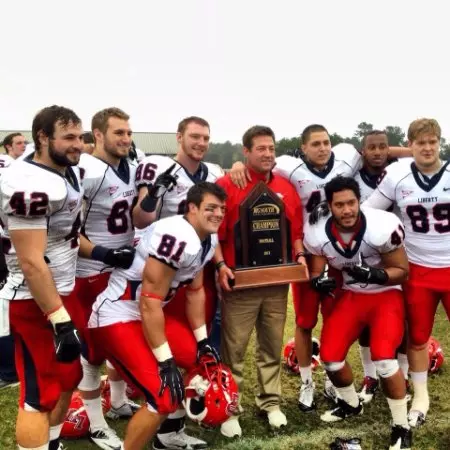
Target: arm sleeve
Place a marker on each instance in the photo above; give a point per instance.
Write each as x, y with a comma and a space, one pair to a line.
286, 166
27, 223
165, 245
393, 234
297, 214
310, 242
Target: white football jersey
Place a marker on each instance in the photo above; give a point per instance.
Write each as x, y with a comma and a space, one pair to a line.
5, 162
42, 198
174, 202
309, 182
424, 203
174, 242
109, 194
380, 232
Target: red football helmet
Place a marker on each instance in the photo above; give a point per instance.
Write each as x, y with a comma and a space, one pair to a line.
290, 357
211, 393
435, 355
76, 423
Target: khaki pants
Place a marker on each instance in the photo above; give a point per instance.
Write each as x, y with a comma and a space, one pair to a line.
265, 309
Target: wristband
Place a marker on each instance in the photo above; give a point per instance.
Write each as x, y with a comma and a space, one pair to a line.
220, 264
162, 353
152, 296
299, 254
201, 333
148, 204
59, 316
99, 253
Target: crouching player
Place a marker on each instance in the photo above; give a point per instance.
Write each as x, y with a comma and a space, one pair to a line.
129, 324
367, 246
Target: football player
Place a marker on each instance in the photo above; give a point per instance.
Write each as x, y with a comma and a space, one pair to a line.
421, 190
144, 341
14, 145
375, 153
41, 199
366, 245
309, 174
163, 184
109, 194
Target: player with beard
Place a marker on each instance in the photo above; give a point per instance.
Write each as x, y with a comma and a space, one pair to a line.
41, 201
320, 164
129, 319
163, 184
421, 190
366, 245
109, 194
375, 153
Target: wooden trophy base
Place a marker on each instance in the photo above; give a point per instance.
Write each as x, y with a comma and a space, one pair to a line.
269, 276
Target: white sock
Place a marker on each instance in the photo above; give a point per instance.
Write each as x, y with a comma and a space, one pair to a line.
368, 365
42, 447
306, 374
55, 431
118, 393
94, 412
349, 395
399, 411
403, 363
421, 400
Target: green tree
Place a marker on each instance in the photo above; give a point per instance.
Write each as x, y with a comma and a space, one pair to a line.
396, 136
362, 129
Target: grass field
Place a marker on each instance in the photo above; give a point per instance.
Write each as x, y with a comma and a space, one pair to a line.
303, 431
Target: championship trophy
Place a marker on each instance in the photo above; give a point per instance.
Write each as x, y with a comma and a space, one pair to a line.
263, 242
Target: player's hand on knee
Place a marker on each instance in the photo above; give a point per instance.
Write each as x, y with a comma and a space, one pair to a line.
323, 283
121, 257
206, 349
367, 275
116, 257
171, 379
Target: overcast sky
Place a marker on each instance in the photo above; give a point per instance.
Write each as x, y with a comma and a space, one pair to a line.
236, 63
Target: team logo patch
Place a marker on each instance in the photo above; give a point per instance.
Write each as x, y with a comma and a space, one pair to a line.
301, 183
280, 195
113, 189
181, 188
406, 192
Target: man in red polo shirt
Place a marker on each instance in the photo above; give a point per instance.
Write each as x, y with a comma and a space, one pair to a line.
263, 308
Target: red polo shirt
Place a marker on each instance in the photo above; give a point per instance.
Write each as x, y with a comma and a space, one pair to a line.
236, 196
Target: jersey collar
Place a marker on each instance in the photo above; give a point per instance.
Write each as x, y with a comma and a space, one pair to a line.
321, 173
346, 250
69, 176
423, 181
201, 174
258, 176
369, 179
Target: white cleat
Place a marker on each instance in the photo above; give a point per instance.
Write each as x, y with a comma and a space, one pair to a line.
178, 441
416, 418
123, 412
306, 397
106, 438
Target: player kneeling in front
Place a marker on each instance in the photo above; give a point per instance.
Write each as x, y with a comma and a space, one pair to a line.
367, 246
144, 343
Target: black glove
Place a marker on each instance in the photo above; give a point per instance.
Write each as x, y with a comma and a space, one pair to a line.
323, 283
171, 377
204, 348
119, 257
67, 342
164, 182
362, 273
